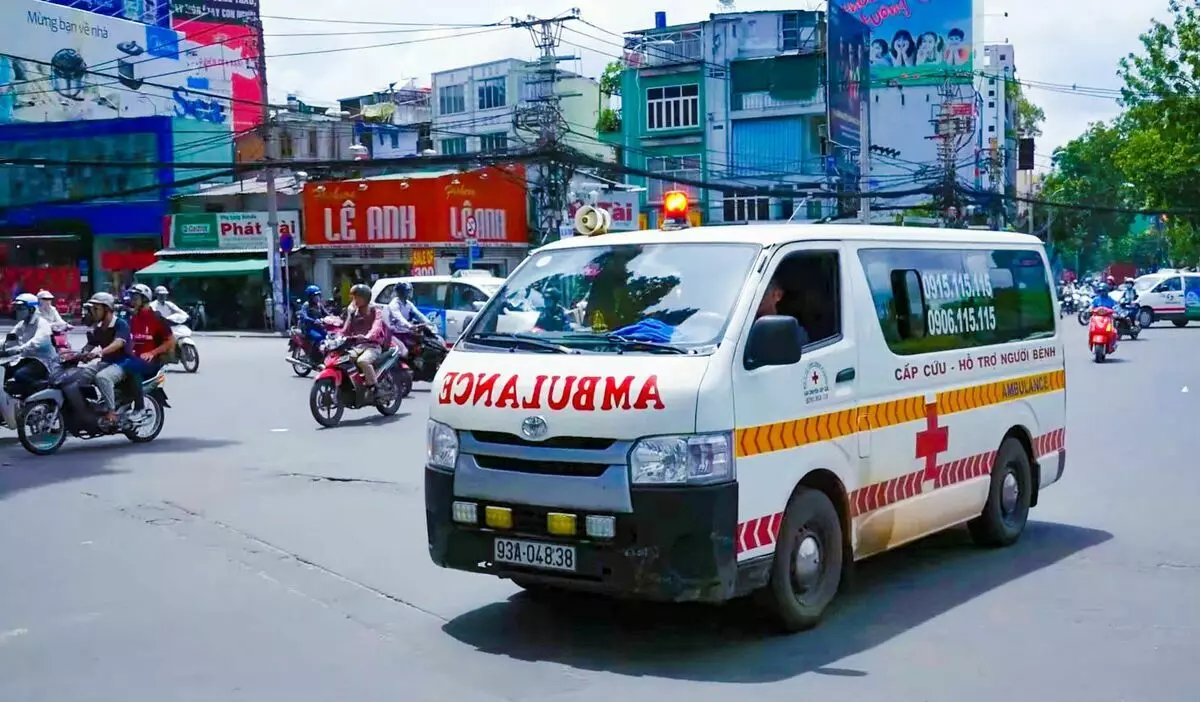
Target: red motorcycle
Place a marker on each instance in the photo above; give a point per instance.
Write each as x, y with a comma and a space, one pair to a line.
1102, 334
339, 385
303, 354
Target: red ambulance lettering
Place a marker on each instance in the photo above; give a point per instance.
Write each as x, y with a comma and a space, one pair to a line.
582, 394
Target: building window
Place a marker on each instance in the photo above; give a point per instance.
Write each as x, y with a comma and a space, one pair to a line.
492, 93
991, 93
491, 143
312, 144
286, 149
790, 31
670, 168
747, 209
451, 100
673, 107
455, 146
991, 103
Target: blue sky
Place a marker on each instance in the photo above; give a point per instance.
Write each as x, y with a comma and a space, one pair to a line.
1056, 42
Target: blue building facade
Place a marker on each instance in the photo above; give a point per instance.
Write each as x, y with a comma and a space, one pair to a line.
86, 226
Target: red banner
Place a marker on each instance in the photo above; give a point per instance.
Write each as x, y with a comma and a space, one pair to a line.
241, 62
487, 205
63, 281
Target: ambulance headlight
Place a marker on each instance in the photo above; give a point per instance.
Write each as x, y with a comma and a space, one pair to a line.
441, 445
697, 459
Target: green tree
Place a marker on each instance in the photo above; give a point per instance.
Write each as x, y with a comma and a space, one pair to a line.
1161, 154
1030, 118
610, 79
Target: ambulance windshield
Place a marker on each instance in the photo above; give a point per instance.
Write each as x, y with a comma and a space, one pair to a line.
664, 297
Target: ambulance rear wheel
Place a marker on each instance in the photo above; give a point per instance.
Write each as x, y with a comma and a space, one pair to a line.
807, 570
1007, 508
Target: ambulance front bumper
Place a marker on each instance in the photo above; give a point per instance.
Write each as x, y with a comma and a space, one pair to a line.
677, 544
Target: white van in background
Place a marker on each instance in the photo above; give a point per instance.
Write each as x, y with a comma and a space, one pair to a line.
1168, 295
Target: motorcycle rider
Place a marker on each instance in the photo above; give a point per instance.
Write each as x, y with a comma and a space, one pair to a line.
164, 306
403, 316
1102, 298
364, 322
152, 339
310, 315
48, 311
33, 337
109, 343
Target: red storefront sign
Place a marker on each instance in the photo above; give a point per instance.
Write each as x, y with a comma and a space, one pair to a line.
488, 205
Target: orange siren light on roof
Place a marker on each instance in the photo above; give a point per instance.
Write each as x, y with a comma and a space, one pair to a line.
675, 205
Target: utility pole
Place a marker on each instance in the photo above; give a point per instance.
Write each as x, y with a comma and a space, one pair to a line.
544, 118
953, 120
279, 312
864, 160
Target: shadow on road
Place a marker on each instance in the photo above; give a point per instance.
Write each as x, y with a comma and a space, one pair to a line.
80, 459
894, 592
368, 420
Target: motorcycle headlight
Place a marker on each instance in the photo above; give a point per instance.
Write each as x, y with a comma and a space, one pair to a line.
441, 445
693, 459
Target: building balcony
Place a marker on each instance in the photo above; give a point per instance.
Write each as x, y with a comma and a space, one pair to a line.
665, 49
760, 104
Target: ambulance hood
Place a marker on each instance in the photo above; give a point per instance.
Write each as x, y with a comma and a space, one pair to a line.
612, 396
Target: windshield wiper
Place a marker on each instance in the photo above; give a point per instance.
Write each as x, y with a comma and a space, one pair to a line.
625, 342
526, 339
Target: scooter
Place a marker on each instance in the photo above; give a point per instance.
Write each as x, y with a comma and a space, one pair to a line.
185, 354
1102, 334
1126, 321
10, 407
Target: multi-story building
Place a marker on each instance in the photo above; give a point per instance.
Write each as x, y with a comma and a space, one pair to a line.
998, 138
393, 123
305, 132
474, 108
736, 100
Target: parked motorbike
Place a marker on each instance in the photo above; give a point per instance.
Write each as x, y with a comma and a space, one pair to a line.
302, 354
185, 354
339, 384
47, 416
1102, 334
426, 351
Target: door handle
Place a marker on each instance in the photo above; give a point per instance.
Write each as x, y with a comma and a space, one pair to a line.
845, 375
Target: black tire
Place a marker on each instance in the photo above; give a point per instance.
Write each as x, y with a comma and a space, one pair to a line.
1098, 354
189, 358
1133, 333
392, 407
23, 433
160, 419
1004, 515
1084, 317
300, 369
1145, 317
810, 517
1181, 323
319, 388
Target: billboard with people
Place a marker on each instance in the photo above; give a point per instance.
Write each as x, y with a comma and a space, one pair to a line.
849, 90
924, 42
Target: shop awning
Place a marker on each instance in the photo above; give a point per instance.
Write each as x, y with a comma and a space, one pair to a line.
211, 267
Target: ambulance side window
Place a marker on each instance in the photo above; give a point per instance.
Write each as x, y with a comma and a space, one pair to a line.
812, 293
910, 304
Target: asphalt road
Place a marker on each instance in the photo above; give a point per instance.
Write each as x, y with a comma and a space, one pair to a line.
248, 555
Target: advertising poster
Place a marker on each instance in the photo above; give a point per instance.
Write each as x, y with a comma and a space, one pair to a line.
228, 11
61, 64
418, 212
849, 90
241, 49
230, 230
918, 42
156, 12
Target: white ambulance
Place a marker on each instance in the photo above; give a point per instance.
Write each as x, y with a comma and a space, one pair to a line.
744, 409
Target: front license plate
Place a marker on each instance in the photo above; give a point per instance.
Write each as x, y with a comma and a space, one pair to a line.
535, 554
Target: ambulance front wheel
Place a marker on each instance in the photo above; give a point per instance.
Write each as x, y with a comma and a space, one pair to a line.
1007, 507
807, 570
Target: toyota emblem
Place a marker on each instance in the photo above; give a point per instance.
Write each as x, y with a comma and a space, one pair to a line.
534, 427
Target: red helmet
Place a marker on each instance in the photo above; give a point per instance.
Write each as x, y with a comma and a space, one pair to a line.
1111, 280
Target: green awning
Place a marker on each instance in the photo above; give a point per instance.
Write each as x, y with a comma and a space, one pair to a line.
207, 267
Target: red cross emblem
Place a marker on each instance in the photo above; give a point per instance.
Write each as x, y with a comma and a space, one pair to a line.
931, 442
816, 377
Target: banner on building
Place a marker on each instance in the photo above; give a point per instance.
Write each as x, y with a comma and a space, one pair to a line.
227, 11
849, 93
487, 205
62, 64
424, 262
241, 44
918, 43
623, 206
156, 12
230, 230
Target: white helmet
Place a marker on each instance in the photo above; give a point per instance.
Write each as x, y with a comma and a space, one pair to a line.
45, 295
105, 299
162, 290
143, 290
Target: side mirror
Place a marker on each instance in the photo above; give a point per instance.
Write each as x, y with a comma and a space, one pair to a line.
478, 305
775, 340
